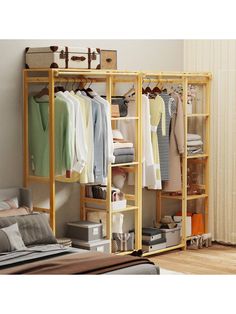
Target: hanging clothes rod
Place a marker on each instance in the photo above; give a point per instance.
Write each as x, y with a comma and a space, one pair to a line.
177, 74
94, 72
174, 81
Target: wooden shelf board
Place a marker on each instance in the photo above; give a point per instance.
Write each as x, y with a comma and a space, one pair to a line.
179, 197
125, 164
197, 196
198, 115
123, 253
39, 179
94, 209
128, 208
94, 200
174, 197
124, 118
179, 246
197, 156
75, 178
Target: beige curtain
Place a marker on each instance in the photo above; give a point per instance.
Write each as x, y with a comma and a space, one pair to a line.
219, 57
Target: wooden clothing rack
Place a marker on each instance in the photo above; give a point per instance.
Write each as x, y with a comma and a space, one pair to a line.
111, 78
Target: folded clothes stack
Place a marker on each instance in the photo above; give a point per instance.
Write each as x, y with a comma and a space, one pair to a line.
123, 150
194, 144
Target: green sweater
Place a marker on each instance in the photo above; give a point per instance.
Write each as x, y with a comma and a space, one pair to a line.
39, 137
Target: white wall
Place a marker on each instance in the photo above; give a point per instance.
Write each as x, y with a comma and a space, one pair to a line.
147, 55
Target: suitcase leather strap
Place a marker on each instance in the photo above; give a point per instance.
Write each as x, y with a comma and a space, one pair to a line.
89, 58
75, 58
67, 57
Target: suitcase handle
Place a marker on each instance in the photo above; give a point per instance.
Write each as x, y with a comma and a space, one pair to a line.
74, 58
93, 56
108, 60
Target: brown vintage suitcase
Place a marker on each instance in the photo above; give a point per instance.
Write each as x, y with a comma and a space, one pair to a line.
62, 57
109, 59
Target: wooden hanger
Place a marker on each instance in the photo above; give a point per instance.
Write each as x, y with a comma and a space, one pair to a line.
130, 91
147, 90
156, 90
59, 89
42, 93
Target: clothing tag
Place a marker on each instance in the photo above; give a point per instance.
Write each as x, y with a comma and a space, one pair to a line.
100, 248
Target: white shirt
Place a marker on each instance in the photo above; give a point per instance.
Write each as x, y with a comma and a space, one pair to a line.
127, 128
149, 174
80, 145
90, 138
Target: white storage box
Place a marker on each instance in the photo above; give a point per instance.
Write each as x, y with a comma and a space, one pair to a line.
84, 230
117, 205
97, 245
98, 217
154, 247
172, 236
178, 220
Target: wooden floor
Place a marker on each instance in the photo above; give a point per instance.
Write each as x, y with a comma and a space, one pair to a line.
214, 260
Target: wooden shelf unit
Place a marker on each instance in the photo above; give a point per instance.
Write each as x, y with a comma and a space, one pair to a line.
135, 166
111, 78
204, 80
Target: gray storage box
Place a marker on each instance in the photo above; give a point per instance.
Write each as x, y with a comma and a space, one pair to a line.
97, 245
154, 247
172, 236
84, 230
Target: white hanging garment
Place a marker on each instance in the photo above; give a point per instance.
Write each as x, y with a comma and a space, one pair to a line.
127, 128
149, 175
89, 135
80, 146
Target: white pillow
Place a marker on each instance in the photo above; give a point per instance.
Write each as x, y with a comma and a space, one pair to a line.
14, 237
9, 204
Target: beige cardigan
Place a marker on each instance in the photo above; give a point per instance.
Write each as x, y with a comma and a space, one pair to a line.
176, 147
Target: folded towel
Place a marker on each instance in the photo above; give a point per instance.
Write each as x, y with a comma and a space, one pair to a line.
193, 137
124, 151
123, 145
195, 143
124, 158
195, 151
189, 148
117, 134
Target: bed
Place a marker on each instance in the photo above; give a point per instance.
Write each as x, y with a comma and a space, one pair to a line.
43, 255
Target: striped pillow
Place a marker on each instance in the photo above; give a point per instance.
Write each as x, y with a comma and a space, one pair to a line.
10, 239
34, 228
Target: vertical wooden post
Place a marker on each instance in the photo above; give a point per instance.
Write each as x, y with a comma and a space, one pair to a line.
109, 81
184, 162
83, 214
26, 129
207, 148
52, 149
158, 206
138, 167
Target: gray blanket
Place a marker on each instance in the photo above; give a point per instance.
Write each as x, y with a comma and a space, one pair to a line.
34, 253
